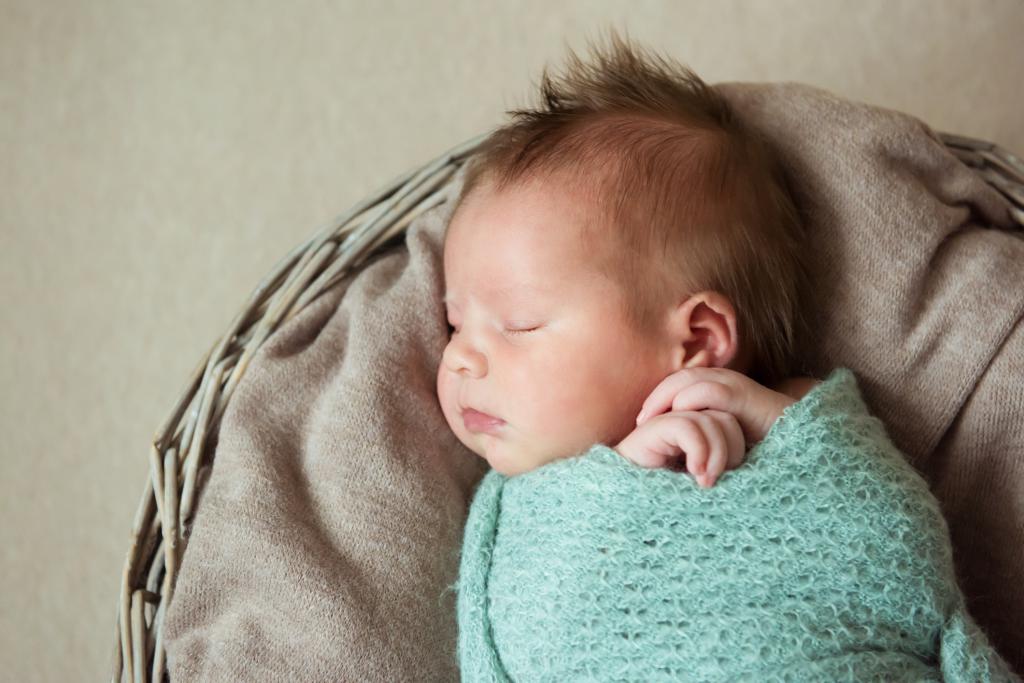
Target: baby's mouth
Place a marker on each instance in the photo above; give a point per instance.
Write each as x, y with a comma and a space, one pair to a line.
476, 421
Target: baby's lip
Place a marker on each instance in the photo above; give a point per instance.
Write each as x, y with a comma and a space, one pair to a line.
477, 421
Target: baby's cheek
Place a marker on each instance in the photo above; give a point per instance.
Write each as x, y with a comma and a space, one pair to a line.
444, 397
566, 406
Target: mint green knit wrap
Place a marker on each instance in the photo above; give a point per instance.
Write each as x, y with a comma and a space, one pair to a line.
823, 557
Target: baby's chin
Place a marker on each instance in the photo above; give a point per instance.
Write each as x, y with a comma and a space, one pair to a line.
510, 469
510, 461
506, 455
500, 455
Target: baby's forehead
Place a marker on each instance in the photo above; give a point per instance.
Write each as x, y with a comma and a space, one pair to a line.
545, 220
524, 234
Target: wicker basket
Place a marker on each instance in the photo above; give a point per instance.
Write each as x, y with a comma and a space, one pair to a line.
183, 444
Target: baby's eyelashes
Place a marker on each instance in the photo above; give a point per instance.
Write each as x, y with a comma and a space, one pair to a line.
522, 330
511, 329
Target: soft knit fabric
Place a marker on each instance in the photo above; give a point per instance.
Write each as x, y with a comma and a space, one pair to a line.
823, 557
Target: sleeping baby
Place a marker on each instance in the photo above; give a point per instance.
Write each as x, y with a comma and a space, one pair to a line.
622, 273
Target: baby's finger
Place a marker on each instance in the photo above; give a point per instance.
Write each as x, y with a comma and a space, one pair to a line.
736, 445
717, 449
694, 447
706, 395
652, 446
643, 457
660, 398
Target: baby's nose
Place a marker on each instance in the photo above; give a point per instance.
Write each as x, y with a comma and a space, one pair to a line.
461, 359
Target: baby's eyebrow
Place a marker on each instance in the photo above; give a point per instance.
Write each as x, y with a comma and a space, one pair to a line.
512, 292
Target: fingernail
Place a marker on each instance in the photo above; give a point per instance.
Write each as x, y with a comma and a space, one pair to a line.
640, 417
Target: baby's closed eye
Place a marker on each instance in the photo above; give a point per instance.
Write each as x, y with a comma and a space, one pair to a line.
521, 328
509, 328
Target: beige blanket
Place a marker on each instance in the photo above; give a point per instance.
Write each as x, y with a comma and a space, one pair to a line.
328, 534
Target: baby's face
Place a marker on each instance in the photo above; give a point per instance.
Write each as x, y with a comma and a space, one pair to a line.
539, 340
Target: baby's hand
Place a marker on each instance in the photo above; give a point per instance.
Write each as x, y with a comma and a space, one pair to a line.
755, 406
710, 440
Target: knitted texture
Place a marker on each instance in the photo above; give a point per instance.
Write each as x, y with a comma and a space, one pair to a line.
823, 557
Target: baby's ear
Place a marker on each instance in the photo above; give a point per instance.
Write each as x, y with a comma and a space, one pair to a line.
705, 325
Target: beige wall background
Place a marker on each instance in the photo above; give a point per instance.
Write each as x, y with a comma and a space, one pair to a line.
157, 159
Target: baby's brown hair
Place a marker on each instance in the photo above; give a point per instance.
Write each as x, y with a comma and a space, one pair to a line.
672, 172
